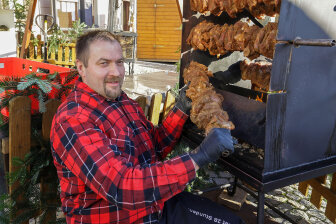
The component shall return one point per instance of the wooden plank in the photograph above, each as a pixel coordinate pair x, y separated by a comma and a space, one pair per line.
157, 1
19, 130
46, 187
323, 190
39, 51
161, 41
28, 27
168, 104
141, 100
179, 10
172, 32
160, 21
151, 5
47, 117
5, 145
303, 188
330, 211
158, 28
31, 50
172, 35
154, 109
66, 54
73, 54
60, 55
173, 15
5, 152
316, 197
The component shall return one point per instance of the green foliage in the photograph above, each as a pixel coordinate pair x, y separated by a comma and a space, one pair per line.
58, 37
202, 179
175, 90
20, 13
27, 201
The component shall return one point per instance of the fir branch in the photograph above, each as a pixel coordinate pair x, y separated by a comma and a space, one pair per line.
31, 80
42, 106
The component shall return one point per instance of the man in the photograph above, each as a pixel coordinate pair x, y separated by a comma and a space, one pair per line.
108, 155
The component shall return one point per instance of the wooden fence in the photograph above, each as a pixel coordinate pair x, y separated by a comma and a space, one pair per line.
321, 190
64, 56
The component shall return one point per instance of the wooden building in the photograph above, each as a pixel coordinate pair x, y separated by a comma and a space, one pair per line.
159, 30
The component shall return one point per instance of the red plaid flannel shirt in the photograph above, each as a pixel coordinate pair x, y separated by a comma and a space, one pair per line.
107, 156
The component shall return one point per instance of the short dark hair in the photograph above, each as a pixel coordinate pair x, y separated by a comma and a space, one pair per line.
85, 40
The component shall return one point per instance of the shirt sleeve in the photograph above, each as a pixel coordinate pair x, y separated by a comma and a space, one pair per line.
168, 133
89, 154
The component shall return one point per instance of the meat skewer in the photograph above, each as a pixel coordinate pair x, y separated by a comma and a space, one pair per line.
258, 72
257, 8
218, 40
206, 111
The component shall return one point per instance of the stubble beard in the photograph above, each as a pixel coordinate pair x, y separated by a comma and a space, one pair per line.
113, 93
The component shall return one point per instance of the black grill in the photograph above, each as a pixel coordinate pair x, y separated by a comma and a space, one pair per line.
296, 123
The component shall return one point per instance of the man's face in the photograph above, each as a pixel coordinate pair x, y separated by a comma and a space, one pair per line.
105, 71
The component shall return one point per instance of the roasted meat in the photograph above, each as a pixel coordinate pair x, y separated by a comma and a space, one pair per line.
206, 111
218, 40
257, 8
258, 72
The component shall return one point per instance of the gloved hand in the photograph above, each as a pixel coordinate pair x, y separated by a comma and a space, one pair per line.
182, 101
218, 141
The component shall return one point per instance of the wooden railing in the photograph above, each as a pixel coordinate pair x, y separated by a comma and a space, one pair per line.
320, 190
64, 56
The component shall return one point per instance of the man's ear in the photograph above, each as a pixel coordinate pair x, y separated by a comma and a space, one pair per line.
80, 68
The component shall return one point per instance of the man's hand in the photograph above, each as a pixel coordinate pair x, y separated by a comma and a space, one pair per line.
218, 141
182, 101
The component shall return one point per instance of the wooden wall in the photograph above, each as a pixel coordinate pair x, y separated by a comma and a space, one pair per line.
159, 30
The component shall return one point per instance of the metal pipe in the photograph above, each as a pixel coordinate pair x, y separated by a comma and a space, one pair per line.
309, 42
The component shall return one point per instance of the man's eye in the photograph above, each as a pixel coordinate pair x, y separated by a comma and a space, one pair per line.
103, 63
121, 62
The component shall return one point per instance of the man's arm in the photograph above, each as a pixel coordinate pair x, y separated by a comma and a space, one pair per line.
169, 132
89, 154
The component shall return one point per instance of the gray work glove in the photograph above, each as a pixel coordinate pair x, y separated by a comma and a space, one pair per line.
182, 101
217, 142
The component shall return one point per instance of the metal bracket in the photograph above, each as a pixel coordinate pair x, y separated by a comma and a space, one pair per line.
309, 42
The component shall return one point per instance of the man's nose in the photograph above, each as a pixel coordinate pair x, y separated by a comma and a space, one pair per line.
113, 70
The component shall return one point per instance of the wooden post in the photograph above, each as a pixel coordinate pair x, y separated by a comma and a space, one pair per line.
19, 130
169, 103
154, 110
141, 100
179, 9
29, 23
330, 211
47, 187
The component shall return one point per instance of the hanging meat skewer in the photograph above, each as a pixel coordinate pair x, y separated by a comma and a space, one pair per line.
206, 111
218, 40
257, 8
258, 72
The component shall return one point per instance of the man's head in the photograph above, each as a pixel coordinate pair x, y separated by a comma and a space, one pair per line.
100, 62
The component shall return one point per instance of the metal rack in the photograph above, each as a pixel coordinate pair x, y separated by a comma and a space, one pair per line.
296, 125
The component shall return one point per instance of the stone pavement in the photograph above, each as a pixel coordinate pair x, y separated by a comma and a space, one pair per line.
150, 78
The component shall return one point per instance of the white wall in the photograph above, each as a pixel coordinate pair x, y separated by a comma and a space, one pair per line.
7, 38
